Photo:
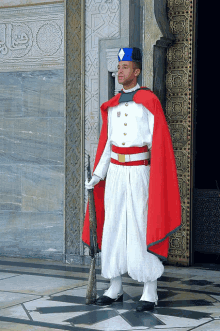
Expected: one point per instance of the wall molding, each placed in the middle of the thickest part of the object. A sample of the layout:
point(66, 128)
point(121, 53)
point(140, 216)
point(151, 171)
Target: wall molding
point(17, 3)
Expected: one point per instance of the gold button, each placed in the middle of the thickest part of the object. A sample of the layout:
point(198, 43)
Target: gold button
point(125, 134)
point(126, 114)
point(125, 124)
point(126, 104)
point(123, 143)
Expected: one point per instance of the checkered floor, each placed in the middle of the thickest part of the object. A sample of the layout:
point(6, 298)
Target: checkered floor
point(51, 296)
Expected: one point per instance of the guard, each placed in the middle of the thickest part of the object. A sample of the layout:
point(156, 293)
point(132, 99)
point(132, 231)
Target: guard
point(136, 197)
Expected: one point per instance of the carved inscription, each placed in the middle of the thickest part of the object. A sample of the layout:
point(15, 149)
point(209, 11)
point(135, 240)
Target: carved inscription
point(15, 39)
point(32, 38)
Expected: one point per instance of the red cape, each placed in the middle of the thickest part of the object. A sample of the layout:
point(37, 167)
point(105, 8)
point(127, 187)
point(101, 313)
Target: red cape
point(164, 206)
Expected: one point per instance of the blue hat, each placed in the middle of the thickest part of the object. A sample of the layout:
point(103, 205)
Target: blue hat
point(130, 54)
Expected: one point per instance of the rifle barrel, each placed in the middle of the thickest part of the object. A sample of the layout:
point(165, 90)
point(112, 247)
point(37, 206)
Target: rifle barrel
point(91, 288)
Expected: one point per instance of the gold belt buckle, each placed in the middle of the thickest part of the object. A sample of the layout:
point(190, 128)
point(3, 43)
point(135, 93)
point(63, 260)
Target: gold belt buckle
point(121, 157)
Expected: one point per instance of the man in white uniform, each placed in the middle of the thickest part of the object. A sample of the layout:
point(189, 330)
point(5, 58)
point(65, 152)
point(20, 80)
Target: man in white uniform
point(130, 125)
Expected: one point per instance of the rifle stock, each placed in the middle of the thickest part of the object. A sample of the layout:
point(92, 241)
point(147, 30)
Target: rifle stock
point(91, 292)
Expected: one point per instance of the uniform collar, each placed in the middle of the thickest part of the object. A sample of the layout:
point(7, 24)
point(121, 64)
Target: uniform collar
point(132, 89)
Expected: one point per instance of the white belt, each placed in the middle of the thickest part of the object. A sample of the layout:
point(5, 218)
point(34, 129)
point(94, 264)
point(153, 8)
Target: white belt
point(130, 157)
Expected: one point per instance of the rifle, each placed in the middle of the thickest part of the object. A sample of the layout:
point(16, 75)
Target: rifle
point(91, 292)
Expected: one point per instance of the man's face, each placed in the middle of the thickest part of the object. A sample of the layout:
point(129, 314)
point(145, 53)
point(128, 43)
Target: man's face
point(127, 73)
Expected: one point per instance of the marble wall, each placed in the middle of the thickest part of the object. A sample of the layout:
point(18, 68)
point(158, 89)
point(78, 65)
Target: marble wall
point(32, 163)
point(32, 126)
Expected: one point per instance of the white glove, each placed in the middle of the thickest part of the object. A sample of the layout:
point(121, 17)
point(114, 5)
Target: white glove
point(90, 185)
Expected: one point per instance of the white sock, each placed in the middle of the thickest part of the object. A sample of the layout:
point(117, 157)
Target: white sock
point(115, 288)
point(150, 292)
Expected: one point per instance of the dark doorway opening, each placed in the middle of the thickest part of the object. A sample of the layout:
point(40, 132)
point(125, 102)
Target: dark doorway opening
point(207, 104)
point(206, 193)
point(206, 260)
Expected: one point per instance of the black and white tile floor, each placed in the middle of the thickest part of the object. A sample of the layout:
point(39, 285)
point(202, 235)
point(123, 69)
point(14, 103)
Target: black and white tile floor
point(45, 295)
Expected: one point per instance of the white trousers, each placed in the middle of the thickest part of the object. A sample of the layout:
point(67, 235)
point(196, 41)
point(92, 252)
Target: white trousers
point(124, 233)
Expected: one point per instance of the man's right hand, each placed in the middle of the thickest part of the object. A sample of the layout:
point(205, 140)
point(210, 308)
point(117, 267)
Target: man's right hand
point(90, 185)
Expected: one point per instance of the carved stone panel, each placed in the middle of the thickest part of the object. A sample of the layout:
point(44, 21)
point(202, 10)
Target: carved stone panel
point(32, 38)
point(176, 108)
point(179, 114)
point(179, 135)
point(101, 22)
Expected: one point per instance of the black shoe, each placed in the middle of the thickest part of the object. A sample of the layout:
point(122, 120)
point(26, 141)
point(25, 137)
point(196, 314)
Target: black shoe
point(104, 300)
point(145, 306)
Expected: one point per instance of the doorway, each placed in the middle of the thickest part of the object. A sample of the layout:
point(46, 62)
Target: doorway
point(206, 183)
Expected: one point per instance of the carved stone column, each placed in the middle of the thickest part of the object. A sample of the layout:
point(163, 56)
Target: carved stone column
point(179, 114)
point(74, 129)
point(157, 39)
